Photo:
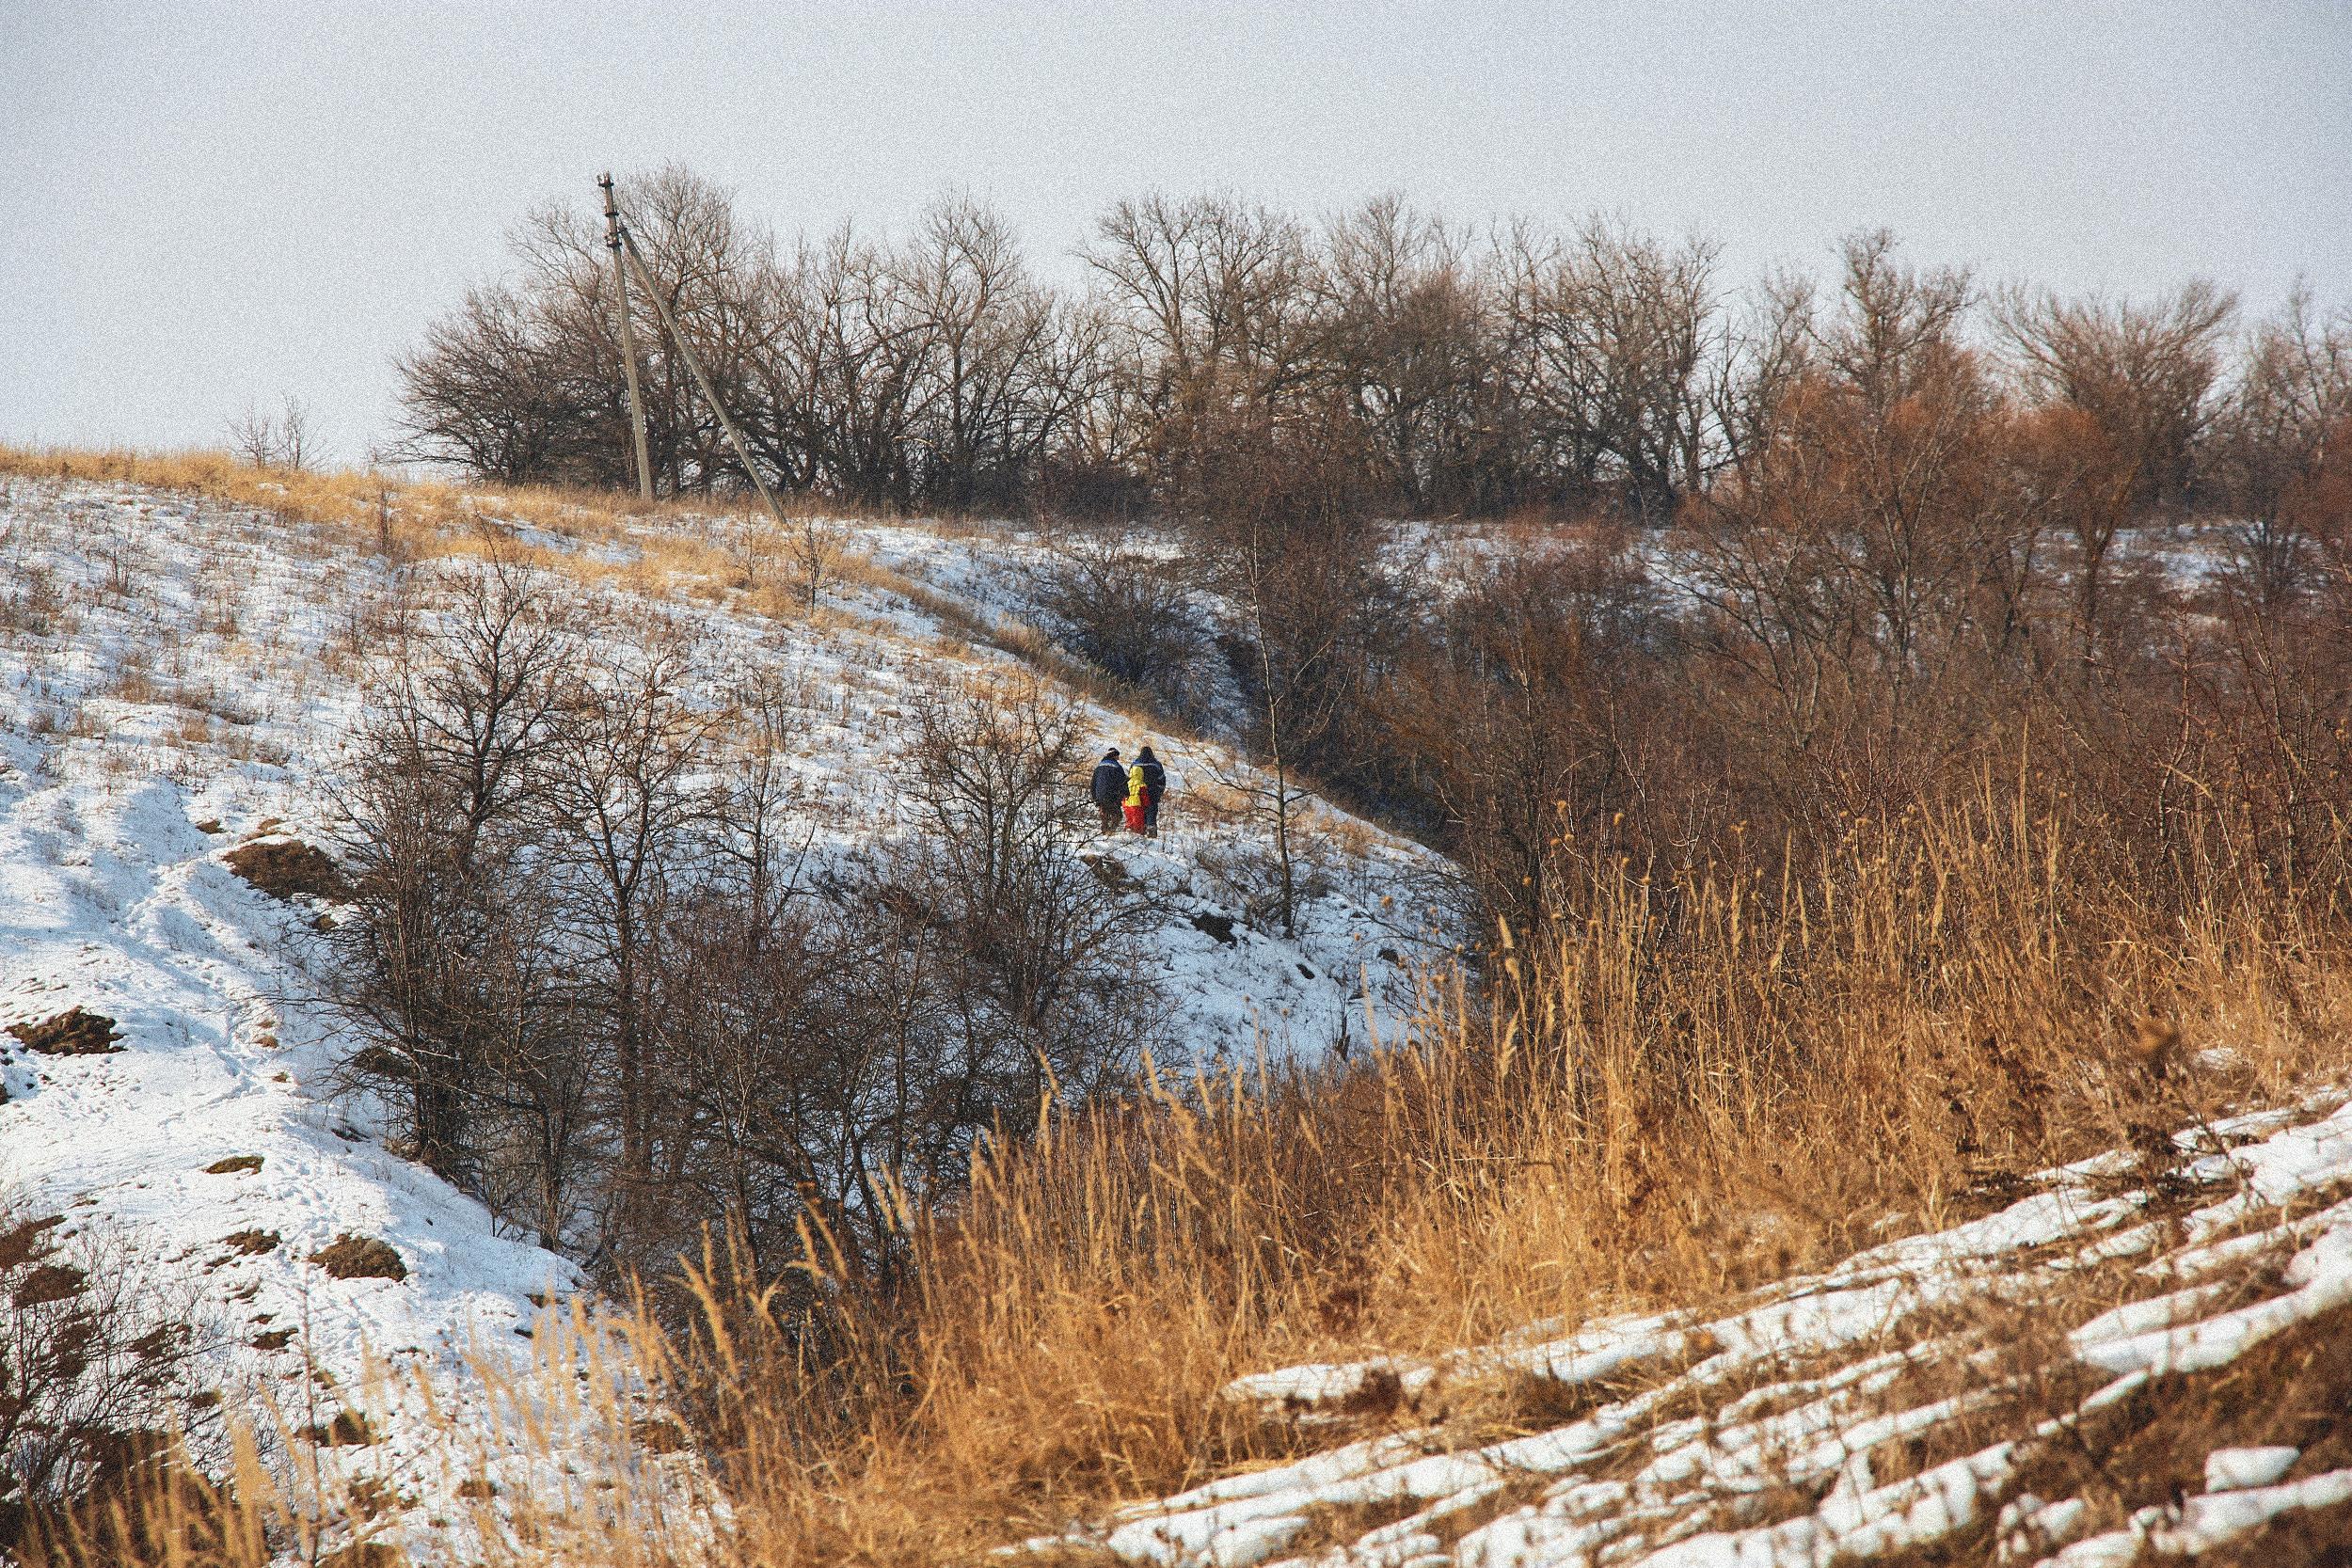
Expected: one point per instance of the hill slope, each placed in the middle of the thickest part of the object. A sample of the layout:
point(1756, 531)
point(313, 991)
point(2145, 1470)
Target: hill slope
point(2137, 1356)
point(177, 676)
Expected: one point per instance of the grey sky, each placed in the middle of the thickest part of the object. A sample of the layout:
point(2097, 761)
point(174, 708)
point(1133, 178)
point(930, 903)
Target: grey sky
point(207, 204)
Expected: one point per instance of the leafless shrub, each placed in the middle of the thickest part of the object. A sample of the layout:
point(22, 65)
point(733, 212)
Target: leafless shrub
point(280, 439)
point(847, 1042)
point(1127, 608)
point(100, 1366)
point(815, 544)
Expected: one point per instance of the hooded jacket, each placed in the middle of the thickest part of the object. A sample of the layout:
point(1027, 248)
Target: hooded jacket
point(1109, 784)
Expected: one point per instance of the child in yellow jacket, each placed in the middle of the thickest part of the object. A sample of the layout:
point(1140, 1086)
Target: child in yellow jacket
point(1136, 797)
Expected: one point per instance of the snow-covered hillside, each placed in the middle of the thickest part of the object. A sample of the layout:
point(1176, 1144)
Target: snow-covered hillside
point(176, 680)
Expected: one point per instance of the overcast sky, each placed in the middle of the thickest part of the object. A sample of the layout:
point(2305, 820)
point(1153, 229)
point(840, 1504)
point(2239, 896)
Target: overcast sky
point(203, 205)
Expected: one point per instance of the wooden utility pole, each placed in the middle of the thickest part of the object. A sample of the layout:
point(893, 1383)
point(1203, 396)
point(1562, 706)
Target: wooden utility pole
point(628, 340)
point(686, 352)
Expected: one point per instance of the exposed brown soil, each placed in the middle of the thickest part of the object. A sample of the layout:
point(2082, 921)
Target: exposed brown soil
point(77, 1032)
point(46, 1283)
point(289, 868)
point(658, 1437)
point(365, 1554)
point(360, 1258)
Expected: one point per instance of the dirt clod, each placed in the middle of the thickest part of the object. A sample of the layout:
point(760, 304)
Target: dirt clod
point(348, 1430)
point(234, 1165)
point(1218, 928)
point(77, 1032)
point(287, 869)
point(350, 1256)
point(46, 1284)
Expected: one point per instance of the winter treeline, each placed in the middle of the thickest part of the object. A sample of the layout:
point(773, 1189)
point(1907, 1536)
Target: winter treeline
point(611, 993)
point(1460, 373)
point(936, 370)
point(1802, 557)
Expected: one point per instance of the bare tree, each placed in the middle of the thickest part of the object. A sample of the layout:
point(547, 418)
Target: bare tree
point(626, 750)
point(1281, 535)
point(2136, 381)
point(296, 446)
point(524, 381)
point(2278, 429)
point(1414, 338)
point(997, 391)
point(1214, 319)
point(1610, 332)
point(446, 970)
point(279, 439)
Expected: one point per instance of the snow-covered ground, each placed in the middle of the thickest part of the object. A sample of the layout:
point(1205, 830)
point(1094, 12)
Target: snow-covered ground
point(1965, 1381)
point(176, 678)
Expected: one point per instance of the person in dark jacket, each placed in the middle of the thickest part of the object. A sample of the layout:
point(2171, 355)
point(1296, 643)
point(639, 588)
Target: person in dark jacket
point(1154, 786)
point(1109, 789)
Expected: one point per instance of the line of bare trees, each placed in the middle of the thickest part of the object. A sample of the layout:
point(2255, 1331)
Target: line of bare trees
point(1468, 373)
point(605, 986)
point(937, 370)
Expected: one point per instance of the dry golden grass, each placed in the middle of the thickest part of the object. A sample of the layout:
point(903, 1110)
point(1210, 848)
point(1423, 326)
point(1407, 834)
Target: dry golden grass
point(672, 547)
point(1695, 1088)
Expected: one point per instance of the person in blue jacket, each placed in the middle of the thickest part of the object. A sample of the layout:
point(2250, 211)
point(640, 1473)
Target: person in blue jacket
point(1109, 789)
point(1154, 786)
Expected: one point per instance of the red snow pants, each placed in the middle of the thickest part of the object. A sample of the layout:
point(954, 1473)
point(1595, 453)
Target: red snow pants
point(1134, 817)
